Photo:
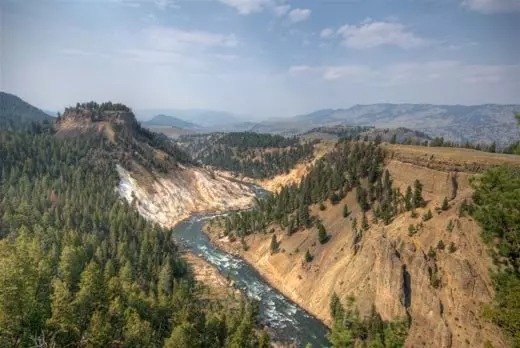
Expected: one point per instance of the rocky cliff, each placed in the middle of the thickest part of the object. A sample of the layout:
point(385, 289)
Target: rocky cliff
point(168, 198)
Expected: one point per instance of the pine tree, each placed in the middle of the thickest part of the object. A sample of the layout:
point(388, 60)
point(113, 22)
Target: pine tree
point(345, 211)
point(417, 196)
point(445, 204)
point(364, 222)
point(428, 215)
point(274, 244)
point(408, 199)
point(308, 256)
point(354, 224)
point(165, 283)
point(322, 234)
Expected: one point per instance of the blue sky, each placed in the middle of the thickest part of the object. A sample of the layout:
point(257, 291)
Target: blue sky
point(266, 58)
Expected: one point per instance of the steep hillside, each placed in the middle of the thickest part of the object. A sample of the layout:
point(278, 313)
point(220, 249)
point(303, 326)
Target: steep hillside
point(157, 177)
point(250, 154)
point(18, 114)
point(432, 272)
point(169, 198)
point(477, 123)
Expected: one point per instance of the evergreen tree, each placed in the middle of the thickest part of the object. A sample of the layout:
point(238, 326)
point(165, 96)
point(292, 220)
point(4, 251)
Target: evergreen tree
point(322, 234)
point(445, 204)
point(345, 211)
point(308, 256)
point(364, 222)
point(408, 203)
point(274, 244)
point(418, 200)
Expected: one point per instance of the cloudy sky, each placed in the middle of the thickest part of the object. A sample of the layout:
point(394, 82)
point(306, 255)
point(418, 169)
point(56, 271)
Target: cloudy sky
point(266, 58)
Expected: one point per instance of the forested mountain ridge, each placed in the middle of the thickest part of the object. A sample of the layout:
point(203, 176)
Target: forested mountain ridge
point(250, 154)
point(18, 114)
point(81, 268)
point(133, 144)
point(157, 177)
point(389, 251)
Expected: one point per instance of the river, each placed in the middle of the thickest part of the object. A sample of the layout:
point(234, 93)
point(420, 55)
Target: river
point(288, 320)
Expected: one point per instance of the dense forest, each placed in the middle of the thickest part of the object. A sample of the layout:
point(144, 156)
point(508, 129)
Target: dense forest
point(496, 206)
point(81, 268)
point(350, 166)
point(251, 154)
point(152, 150)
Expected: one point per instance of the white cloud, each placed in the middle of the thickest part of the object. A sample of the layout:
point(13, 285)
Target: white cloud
point(410, 74)
point(281, 10)
point(299, 14)
point(373, 34)
point(246, 7)
point(327, 33)
point(172, 39)
point(298, 69)
point(163, 4)
point(353, 72)
point(492, 6)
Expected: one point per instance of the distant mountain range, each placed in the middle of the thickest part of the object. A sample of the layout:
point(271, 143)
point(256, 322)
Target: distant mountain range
point(15, 113)
point(478, 123)
point(203, 118)
point(171, 121)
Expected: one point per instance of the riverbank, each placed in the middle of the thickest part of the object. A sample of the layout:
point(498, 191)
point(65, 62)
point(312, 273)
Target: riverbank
point(282, 318)
point(271, 277)
point(217, 285)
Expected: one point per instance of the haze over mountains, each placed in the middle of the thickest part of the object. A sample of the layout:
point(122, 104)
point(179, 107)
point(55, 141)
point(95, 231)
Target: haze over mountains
point(477, 123)
point(171, 121)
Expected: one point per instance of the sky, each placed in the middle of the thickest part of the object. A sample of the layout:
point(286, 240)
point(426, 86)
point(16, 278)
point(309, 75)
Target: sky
point(261, 58)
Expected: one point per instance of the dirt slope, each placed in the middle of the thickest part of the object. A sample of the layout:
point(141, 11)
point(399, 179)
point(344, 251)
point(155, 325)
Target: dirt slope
point(392, 269)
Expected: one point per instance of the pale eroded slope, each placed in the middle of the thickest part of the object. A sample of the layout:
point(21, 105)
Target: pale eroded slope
point(167, 199)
